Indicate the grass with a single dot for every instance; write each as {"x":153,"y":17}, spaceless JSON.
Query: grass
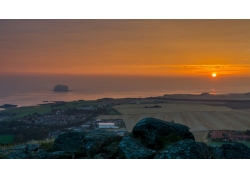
{"x":76,"y":104}
{"x":45,"y":144}
{"x":113,"y":112}
{"x":6,"y":139}
{"x":16,"y":113}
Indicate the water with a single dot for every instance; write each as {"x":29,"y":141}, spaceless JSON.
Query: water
{"x":33,"y":90}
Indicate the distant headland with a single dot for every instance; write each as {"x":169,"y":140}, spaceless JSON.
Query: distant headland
{"x":5,"y":106}
{"x":61,"y":88}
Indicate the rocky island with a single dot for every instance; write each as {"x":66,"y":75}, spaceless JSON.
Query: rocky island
{"x":61,"y":88}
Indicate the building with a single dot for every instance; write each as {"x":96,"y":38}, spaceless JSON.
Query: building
{"x":228,"y":135}
{"x":107,"y":125}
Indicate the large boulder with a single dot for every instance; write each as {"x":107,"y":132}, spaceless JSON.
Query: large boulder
{"x":132,"y":148}
{"x":150,"y":136}
{"x":156,"y":134}
{"x":101,"y":144}
{"x":185,"y":149}
{"x":94,"y":144}
{"x":69,"y":142}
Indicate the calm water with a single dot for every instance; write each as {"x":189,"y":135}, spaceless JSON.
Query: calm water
{"x":32,"y":90}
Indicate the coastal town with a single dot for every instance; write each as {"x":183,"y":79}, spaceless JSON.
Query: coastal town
{"x":60,"y":120}
{"x":53,"y":119}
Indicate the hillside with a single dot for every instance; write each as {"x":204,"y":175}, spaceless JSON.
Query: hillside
{"x":150,"y":139}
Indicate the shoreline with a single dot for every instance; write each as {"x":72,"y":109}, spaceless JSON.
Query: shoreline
{"x":203,"y":97}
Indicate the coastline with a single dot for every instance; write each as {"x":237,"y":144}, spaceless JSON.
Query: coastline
{"x":230,"y":97}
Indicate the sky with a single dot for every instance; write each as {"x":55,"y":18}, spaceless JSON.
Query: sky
{"x":125,"y":47}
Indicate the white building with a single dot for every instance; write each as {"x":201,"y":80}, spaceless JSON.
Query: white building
{"x":107,"y":125}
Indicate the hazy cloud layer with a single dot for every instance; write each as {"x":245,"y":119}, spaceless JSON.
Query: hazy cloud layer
{"x":170,"y":47}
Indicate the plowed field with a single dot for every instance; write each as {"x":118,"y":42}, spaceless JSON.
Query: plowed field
{"x":198,"y":117}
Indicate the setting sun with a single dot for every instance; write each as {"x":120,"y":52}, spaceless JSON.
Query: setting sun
{"x":214,"y":75}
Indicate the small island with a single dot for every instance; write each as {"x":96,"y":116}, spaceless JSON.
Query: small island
{"x":61,"y":88}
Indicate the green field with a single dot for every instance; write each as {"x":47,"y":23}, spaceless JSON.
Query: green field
{"x":6,"y":139}
{"x":113,"y":112}
{"x":16,"y":113}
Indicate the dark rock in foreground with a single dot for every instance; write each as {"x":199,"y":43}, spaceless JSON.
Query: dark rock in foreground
{"x":185,"y":149}
{"x":131,"y":148}
{"x":19,"y":152}
{"x":61,"y":88}
{"x":95,"y":144}
{"x":101,"y":144}
{"x":156,"y":134}
{"x":150,"y":139}
{"x":230,"y":151}
{"x":69,"y":142}
{"x":151,"y":136}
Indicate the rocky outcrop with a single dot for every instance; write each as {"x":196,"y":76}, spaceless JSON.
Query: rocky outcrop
{"x":185,"y":149}
{"x":69,"y":142}
{"x":230,"y":151}
{"x":156,"y":134}
{"x":101,"y":144}
{"x":150,"y":139}
{"x":95,"y":144}
{"x":132,"y":148}
{"x":19,"y":152}
{"x":61,"y":88}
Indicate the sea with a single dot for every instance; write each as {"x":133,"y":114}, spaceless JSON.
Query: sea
{"x":37,"y":89}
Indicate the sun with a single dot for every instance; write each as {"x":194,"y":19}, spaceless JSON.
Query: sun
{"x":214,"y":74}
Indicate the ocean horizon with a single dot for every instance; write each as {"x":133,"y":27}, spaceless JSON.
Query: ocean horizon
{"x":34,"y":90}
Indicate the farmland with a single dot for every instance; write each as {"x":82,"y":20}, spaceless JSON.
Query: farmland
{"x":5,"y":139}
{"x":199,"y":117}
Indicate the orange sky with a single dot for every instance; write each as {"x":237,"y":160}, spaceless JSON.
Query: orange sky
{"x":126,"y":47}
